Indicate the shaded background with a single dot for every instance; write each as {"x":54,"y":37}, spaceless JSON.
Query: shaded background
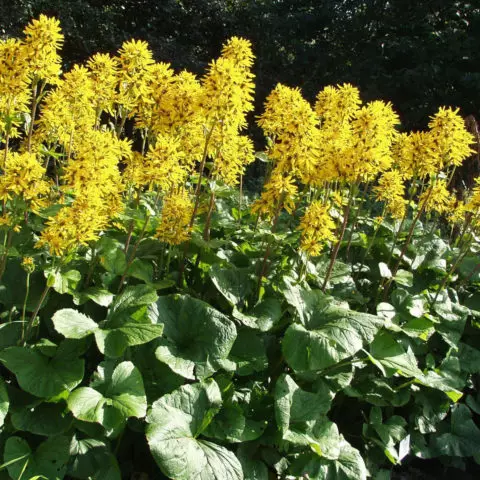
{"x":418,"y":54}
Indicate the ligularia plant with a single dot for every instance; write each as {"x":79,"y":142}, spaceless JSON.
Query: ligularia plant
{"x":162,"y":317}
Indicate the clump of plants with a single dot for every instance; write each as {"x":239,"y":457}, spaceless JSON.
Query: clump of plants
{"x":160,"y":321}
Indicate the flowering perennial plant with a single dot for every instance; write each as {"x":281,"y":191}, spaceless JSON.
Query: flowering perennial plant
{"x":325,"y":327}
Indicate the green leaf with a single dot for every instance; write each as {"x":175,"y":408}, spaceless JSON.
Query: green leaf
{"x":91,"y":458}
{"x":111,"y":255}
{"x":114,"y":398}
{"x":49,"y":459}
{"x":453,"y":318}
{"x":42,"y":418}
{"x":349,"y":465}
{"x":464,"y":436}
{"x":392,"y":356}
{"x":4,"y":401}
{"x":98,"y":295}
{"x":174,"y":423}
{"x":385,"y":272}
{"x":253,"y":469}
{"x":264,"y":316}
{"x":10,"y":334}
{"x":294,"y":405}
{"x":329,"y":334}
{"x":128,"y":302}
{"x":112,"y":342}
{"x":231,"y":425}
{"x":43,"y":376}
{"x":248,"y":352}
{"x":195,"y":333}
{"x":232,"y":282}
{"x":404,"y":277}
{"x":142,"y":270}
{"x":64,"y":281}
{"x":73,"y":324}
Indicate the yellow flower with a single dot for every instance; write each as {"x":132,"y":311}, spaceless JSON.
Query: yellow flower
{"x":415,"y":154}
{"x":452,"y":140}
{"x":14,"y":86}
{"x":234,"y":153}
{"x":374,"y":131}
{"x":293,"y":123}
{"x":24,"y":177}
{"x":279,"y":192}
{"x":69,"y":109}
{"x":436,"y":197}
{"x":240,"y":51}
{"x":389,"y":186}
{"x":135,"y":74}
{"x":317,"y":228}
{"x":43,"y":39}
{"x":104,"y":75}
{"x":73,"y":226}
{"x":177,"y":212}
{"x":227,"y":94}
{"x":28,"y":264}
{"x":337,"y":105}
{"x":162,"y":167}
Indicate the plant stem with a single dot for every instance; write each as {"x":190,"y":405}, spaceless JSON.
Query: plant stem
{"x":460,"y":257}
{"x":200,"y":176}
{"x":206,"y":230}
{"x":24,"y":309}
{"x":339,"y":241}
{"x":37,"y":308}
{"x":32,"y":115}
{"x":263,"y":269}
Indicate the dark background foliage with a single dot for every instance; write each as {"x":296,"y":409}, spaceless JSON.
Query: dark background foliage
{"x":419,"y":54}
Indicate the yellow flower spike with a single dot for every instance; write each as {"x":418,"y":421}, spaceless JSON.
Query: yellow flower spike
{"x":162,"y":168}
{"x":414,"y":154}
{"x":69,"y":109}
{"x":24,"y":177}
{"x":43,"y":39}
{"x":227,"y":94}
{"x":279,"y":192}
{"x":135,"y":74}
{"x":291,"y":120}
{"x":235,"y":152}
{"x":177,"y":211}
{"x":240,"y":51}
{"x":104,"y":74}
{"x":452,"y":140}
{"x":436,"y":198}
{"x":14,"y":85}
{"x":74,"y":225}
{"x":317,"y":227}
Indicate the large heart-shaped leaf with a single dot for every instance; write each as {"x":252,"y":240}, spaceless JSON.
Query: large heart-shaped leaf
{"x":198,"y":337}
{"x":328,"y":333}
{"x":233,"y":283}
{"x":294,"y":406}
{"x":121,"y":330}
{"x":463,"y":438}
{"x":175,"y":421}
{"x":42,"y":375}
{"x":111,"y":399}
{"x":349,"y":465}
{"x":393,"y":357}
{"x":49,"y":459}
{"x":42,"y":418}
{"x":91,"y":458}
